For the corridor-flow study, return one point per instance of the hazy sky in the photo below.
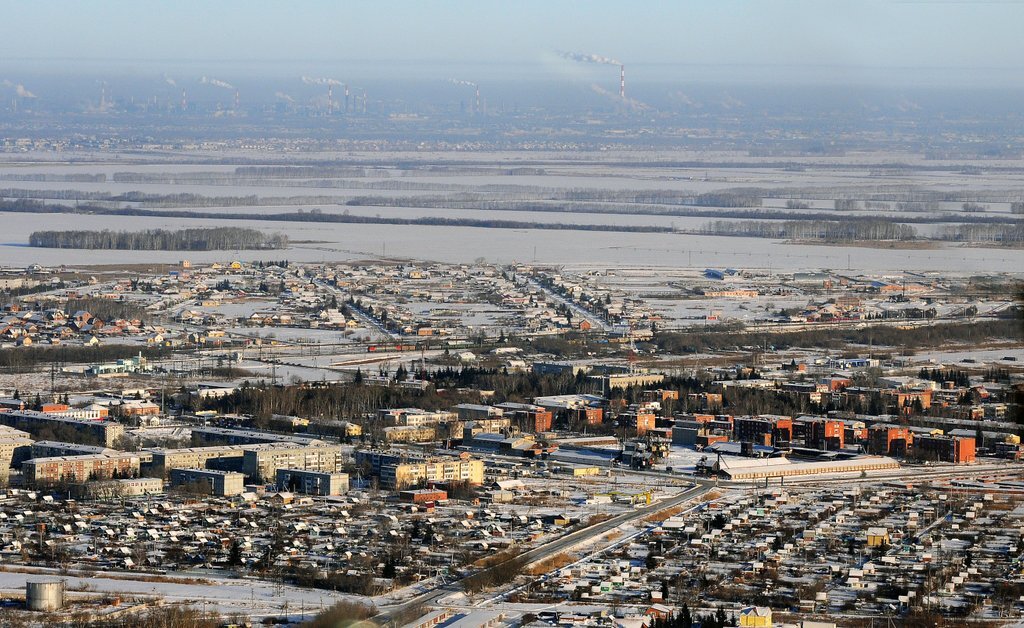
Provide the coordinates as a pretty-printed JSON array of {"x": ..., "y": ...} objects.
[{"x": 866, "y": 37}]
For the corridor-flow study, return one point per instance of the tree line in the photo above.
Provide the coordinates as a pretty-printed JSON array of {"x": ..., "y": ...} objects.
[
  {"x": 702, "y": 340},
  {"x": 213, "y": 239},
  {"x": 828, "y": 231},
  {"x": 720, "y": 205},
  {"x": 1001, "y": 234},
  {"x": 27, "y": 359}
]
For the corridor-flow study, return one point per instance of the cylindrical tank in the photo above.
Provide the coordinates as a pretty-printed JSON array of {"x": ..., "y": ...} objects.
[{"x": 44, "y": 595}]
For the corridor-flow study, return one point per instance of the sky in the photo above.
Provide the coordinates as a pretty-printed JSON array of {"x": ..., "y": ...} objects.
[{"x": 861, "y": 39}]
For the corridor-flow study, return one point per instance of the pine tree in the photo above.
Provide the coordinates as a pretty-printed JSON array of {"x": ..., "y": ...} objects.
[{"x": 235, "y": 554}]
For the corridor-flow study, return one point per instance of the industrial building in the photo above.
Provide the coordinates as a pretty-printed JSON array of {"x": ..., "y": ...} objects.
[{"x": 767, "y": 468}]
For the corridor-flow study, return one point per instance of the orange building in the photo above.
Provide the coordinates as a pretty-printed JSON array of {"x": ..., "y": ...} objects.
[
  {"x": 766, "y": 429},
  {"x": 905, "y": 399},
  {"x": 890, "y": 440},
  {"x": 591, "y": 416},
  {"x": 661, "y": 394},
  {"x": 639, "y": 420},
  {"x": 957, "y": 449},
  {"x": 827, "y": 434},
  {"x": 527, "y": 417}
]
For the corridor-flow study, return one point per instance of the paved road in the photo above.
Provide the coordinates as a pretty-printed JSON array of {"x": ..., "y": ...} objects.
[
  {"x": 578, "y": 311},
  {"x": 554, "y": 547}
]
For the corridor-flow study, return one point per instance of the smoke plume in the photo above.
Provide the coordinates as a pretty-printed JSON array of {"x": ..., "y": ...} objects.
[
  {"x": 216, "y": 83},
  {"x": 309, "y": 80},
  {"x": 589, "y": 58}
]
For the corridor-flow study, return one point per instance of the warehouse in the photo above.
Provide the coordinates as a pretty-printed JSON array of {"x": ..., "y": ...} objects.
[{"x": 762, "y": 468}]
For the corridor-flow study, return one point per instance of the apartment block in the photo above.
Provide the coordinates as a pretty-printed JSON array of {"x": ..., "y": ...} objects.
[
  {"x": 220, "y": 483},
  {"x": 312, "y": 482},
  {"x": 410, "y": 474},
  {"x": 104, "y": 433},
  {"x": 261, "y": 462},
  {"x": 80, "y": 468}
]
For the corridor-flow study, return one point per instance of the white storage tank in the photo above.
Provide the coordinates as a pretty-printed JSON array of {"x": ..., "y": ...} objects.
[{"x": 44, "y": 595}]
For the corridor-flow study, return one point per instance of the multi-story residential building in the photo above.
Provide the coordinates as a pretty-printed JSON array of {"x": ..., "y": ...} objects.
[
  {"x": 312, "y": 482},
  {"x": 80, "y": 468},
  {"x": 220, "y": 483},
  {"x": 225, "y": 458},
  {"x": 766, "y": 429},
  {"x": 15, "y": 446},
  {"x": 414, "y": 417},
  {"x": 527, "y": 416},
  {"x": 105, "y": 433},
  {"x": 958, "y": 449},
  {"x": 203, "y": 436},
  {"x": 261, "y": 462},
  {"x": 892, "y": 440},
  {"x": 827, "y": 434},
  {"x": 401, "y": 475}
]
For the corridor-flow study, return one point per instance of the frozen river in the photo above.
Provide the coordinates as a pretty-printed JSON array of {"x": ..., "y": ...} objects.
[{"x": 339, "y": 242}]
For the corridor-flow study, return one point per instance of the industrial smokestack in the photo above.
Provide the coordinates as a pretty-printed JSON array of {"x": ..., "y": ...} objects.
[
  {"x": 346, "y": 97},
  {"x": 622, "y": 82},
  {"x": 330, "y": 99},
  {"x": 478, "y": 100}
]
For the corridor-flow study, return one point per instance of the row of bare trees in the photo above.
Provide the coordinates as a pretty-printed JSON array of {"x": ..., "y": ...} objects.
[{"x": 214, "y": 239}]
